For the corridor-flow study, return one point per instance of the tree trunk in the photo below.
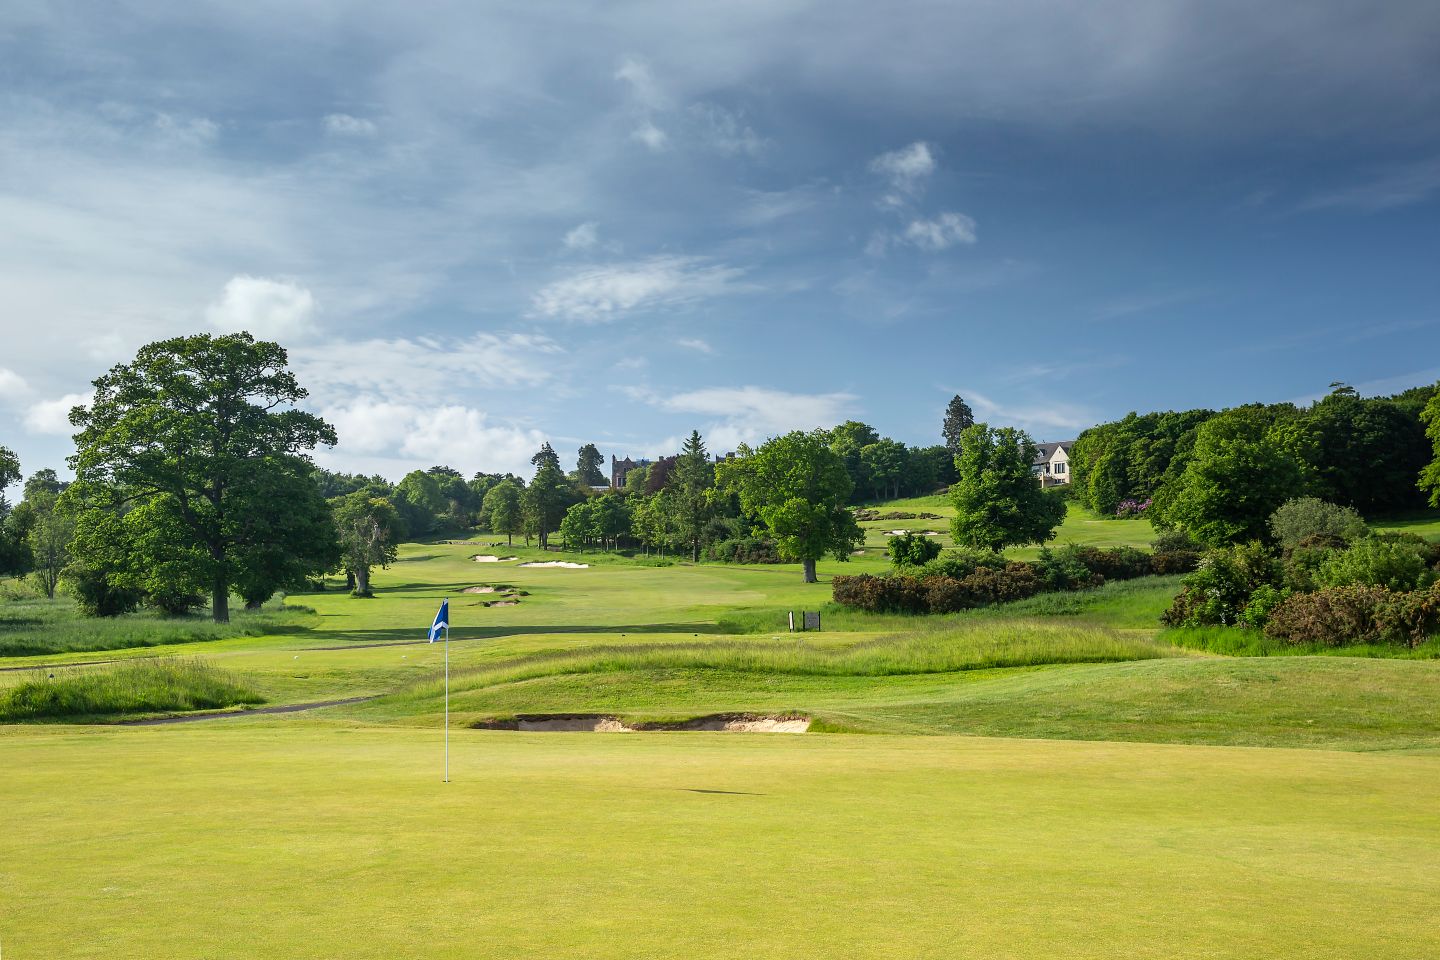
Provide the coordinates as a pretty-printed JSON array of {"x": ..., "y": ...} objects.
[
  {"x": 810, "y": 571},
  {"x": 220, "y": 599},
  {"x": 254, "y": 604},
  {"x": 695, "y": 550},
  {"x": 510, "y": 539},
  {"x": 350, "y": 580},
  {"x": 362, "y": 581}
]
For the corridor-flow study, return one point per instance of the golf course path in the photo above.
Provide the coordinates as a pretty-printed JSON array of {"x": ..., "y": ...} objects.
[{"x": 285, "y": 708}]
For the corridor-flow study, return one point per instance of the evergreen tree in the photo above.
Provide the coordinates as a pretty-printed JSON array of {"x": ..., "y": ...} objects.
[
  {"x": 958, "y": 418},
  {"x": 693, "y": 478},
  {"x": 587, "y": 466}
]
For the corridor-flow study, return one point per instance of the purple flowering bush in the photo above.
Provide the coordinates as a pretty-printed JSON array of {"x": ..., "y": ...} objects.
[{"x": 1132, "y": 508}]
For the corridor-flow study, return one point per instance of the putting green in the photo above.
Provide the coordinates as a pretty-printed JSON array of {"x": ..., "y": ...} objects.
[{"x": 298, "y": 838}]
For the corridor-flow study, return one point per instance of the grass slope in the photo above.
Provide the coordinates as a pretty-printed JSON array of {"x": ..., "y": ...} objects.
[
  {"x": 292, "y": 840},
  {"x": 153, "y": 685}
]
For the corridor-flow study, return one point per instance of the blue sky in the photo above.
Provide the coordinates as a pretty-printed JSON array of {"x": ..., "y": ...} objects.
[{"x": 481, "y": 225}]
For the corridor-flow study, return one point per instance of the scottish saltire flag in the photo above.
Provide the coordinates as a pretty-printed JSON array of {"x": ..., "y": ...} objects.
[{"x": 442, "y": 621}]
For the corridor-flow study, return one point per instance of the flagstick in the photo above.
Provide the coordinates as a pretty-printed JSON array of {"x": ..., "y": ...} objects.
[{"x": 447, "y": 698}]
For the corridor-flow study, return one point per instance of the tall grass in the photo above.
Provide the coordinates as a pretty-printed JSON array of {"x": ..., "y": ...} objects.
[
  {"x": 31, "y": 626},
  {"x": 944, "y": 649},
  {"x": 1248, "y": 642},
  {"x": 151, "y": 685}
]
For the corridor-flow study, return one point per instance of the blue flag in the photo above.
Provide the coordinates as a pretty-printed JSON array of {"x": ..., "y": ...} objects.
[{"x": 442, "y": 621}]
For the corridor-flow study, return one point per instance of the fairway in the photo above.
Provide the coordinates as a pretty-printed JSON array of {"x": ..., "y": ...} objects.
[
  {"x": 1046, "y": 778},
  {"x": 310, "y": 840}
]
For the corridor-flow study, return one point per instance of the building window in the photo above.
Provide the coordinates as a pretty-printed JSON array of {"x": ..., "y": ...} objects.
[{"x": 1059, "y": 468}]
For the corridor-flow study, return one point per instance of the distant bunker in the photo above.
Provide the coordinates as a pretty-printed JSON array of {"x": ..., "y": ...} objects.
[
  {"x": 600, "y": 723},
  {"x": 489, "y": 558}
]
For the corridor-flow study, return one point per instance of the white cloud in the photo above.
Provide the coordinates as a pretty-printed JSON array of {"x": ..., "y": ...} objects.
[
  {"x": 940, "y": 233},
  {"x": 405, "y": 436},
  {"x": 1044, "y": 421},
  {"x": 583, "y": 237},
  {"x": 269, "y": 309},
  {"x": 53, "y": 416},
  {"x": 751, "y": 414},
  {"x": 636, "y": 74},
  {"x": 12, "y": 385},
  {"x": 907, "y": 168},
  {"x": 414, "y": 369},
  {"x": 696, "y": 344},
  {"x": 652, "y": 136},
  {"x": 186, "y": 131},
  {"x": 602, "y": 294},
  {"x": 344, "y": 125}
]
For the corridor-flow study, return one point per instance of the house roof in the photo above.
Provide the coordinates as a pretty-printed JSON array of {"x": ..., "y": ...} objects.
[{"x": 1044, "y": 451}]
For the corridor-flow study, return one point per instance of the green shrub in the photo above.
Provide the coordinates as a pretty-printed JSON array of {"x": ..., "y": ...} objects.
[
  {"x": 1409, "y": 618},
  {"x": 1264, "y": 599},
  {"x": 1065, "y": 569},
  {"x": 1116, "y": 563},
  {"x": 1174, "y": 541},
  {"x": 1395, "y": 564},
  {"x": 1219, "y": 590},
  {"x": 912, "y": 550},
  {"x": 150, "y": 685},
  {"x": 962, "y": 561},
  {"x": 96, "y": 596},
  {"x": 744, "y": 550},
  {"x": 1333, "y": 617},
  {"x": 1294, "y": 520},
  {"x": 1176, "y": 561}
]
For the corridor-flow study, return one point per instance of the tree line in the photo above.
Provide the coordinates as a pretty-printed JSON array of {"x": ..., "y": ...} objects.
[{"x": 1220, "y": 475}]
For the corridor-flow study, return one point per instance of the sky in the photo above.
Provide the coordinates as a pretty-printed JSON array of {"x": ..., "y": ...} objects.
[{"x": 480, "y": 226}]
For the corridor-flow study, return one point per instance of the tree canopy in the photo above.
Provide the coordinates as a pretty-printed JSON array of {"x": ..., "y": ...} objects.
[
  {"x": 797, "y": 487},
  {"x": 998, "y": 501},
  {"x": 201, "y": 430}
]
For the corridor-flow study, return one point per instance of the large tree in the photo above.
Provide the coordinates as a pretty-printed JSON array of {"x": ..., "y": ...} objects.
[
  {"x": 421, "y": 504},
  {"x": 797, "y": 487},
  {"x": 1245, "y": 463},
  {"x": 49, "y": 536},
  {"x": 502, "y": 508},
  {"x": 14, "y": 555},
  {"x": 885, "y": 461},
  {"x": 205, "y": 423},
  {"x": 587, "y": 466},
  {"x": 1430, "y": 476},
  {"x": 998, "y": 500},
  {"x": 546, "y": 499},
  {"x": 369, "y": 529},
  {"x": 692, "y": 481},
  {"x": 958, "y": 418}
]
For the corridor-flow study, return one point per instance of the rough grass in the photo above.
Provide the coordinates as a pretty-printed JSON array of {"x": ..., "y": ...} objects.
[
  {"x": 151, "y": 685},
  {"x": 942, "y": 648},
  {"x": 1248, "y": 642},
  {"x": 34, "y": 626}
]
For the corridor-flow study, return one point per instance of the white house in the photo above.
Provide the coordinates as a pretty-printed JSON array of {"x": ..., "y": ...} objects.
[{"x": 1052, "y": 462}]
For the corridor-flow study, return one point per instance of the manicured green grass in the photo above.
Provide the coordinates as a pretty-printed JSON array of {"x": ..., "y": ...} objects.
[
  {"x": 1080, "y": 527},
  {"x": 286, "y": 839},
  {"x": 1425, "y": 524},
  {"x": 34, "y": 625},
  {"x": 152, "y": 685}
]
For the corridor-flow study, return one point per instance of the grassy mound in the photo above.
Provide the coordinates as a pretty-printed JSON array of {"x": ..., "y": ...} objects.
[
  {"x": 946, "y": 647},
  {"x": 36, "y": 626},
  {"x": 152, "y": 685}
]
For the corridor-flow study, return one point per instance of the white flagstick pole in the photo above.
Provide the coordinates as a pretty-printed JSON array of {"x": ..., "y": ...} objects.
[{"x": 447, "y": 695}]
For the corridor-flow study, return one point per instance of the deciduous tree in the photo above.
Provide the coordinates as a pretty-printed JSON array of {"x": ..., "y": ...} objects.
[
  {"x": 998, "y": 500},
  {"x": 204, "y": 423},
  {"x": 797, "y": 487}
]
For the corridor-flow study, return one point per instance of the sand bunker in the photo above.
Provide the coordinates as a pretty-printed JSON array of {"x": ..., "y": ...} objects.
[
  {"x": 918, "y": 533},
  {"x": 479, "y": 589},
  {"x": 594, "y": 723},
  {"x": 487, "y": 558},
  {"x": 556, "y": 563},
  {"x": 503, "y": 603}
]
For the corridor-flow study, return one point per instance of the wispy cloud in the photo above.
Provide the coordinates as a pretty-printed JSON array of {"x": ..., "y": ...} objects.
[
  {"x": 726, "y": 130},
  {"x": 53, "y": 416},
  {"x": 1138, "y": 303},
  {"x": 1044, "y": 420},
  {"x": 1396, "y": 187},
  {"x": 406, "y": 436},
  {"x": 696, "y": 344},
  {"x": 601, "y": 294},
  {"x": 929, "y": 235},
  {"x": 751, "y": 414},
  {"x": 344, "y": 125},
  {"x": 583, "y": 237}
]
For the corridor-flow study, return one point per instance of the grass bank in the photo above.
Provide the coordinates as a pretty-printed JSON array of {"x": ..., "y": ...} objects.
[
  {"x": 36, "y": 626},
  {"x": 152, "y": 685}
]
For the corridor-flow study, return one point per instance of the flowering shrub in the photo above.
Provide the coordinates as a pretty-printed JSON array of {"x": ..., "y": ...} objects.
[{"x": 1132, "y": 508}]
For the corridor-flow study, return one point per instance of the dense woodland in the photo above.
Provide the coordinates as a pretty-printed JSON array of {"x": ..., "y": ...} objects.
[{"x": 194, "y": 481}]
